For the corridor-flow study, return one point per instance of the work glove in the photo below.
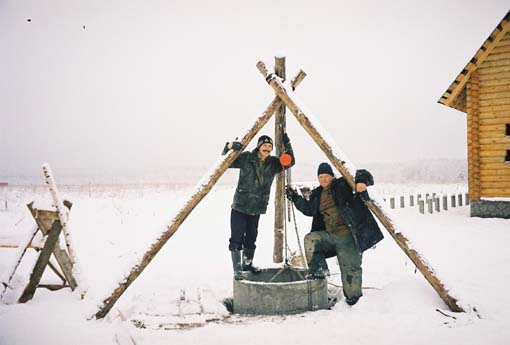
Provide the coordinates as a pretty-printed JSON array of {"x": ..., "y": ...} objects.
[
  {"x": 285, "y": 139},
  {"x": 364, "y": 196},
  {"x": 232, "y": 145},
  {"x": 291, "y": 193}
]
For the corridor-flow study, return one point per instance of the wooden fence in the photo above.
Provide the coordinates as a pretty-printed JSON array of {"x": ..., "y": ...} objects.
[{"x": 429, "y": 202}]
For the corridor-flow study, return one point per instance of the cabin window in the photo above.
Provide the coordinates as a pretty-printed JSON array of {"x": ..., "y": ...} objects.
[
  {"x": 507, "y": 129},
  {"x": 507, "y": 157}
]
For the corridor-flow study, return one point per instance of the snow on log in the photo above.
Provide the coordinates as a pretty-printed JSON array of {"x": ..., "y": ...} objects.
[
  {"x": 63, "y": 214},
  {"x": 347, "y": 169}
]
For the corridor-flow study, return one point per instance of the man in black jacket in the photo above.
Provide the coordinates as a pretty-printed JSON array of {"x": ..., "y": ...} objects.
[
  {"x": 342, "y": 225},
  {"x": 257, "y": 171}
]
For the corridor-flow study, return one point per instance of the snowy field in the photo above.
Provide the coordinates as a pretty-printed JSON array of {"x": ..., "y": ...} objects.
[{"x": 186, "y": 283}]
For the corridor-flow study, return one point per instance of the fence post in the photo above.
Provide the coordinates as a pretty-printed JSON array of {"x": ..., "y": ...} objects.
[
  {"x": 421, "y": 205},
  {"x": 466, "y": 198},
  {"x": 453, "y": 201},
  {"x": 411, "y": 200},
  {"x": 436, "y": 204},
  {"x": 445, "y": 203},
  {"x": 459, "y": 197},
  {"x": 429, "y": 205},
  {"x": 402, "y": 202},
  {"x": 392, "y": 202}
]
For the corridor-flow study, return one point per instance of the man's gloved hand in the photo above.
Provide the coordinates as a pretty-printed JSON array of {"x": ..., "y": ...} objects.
[
  {"x": 285, "y": 139},
  {"x": 364, "y": 196},
  {"x": 291, "y": 193},
  {"x": 232, "y": 145}
]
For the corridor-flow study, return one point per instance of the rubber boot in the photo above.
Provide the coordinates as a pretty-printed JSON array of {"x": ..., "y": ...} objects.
[
  {"x": 248, "y": 254},
  {"x": 236, "y": 264}
]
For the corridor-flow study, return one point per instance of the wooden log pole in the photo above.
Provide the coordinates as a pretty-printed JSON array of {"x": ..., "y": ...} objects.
[
  {"x": 279, "y": 198},
  {"x": 185, "y": 211},
  {"x": 402, "y": 202},
  {"x": 421, "y": 205},
  {"x": 392, "y": 202},
  {"x": 453, "y": 201},
  {"x": 445, "y": 203},
  {"x": 401, "y": 240}
]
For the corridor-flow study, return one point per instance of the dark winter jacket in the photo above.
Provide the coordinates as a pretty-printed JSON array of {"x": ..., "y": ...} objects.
[
  {"x": 351, "y": 207},
  {"x": 252, "y": 192}
]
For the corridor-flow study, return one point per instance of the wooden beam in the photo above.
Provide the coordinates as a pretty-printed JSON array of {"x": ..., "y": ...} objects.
[
  {"x": 401, "y": 240},
  {"x": 42, "y": 262},
  {"x": 279, "y": 198},
  {"x": 184, "y": 212}
]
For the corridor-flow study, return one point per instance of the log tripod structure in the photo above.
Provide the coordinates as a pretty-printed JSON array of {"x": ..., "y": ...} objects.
[
  {"x": 281, "y": 100},
  {"x": 48, "y": 223}
]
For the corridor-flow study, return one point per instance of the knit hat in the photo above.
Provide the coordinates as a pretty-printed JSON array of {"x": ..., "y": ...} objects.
[
  {"x": 264, "y": 139},
  {"x": 325, "y": 168}
]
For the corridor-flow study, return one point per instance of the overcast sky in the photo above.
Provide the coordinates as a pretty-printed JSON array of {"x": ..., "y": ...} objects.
[{"x": 144, "y": 87}]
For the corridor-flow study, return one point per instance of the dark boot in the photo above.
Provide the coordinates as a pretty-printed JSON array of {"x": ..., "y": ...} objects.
[
  {"x": 248, "y": 254},
  {"x": 237, "y": 265}
]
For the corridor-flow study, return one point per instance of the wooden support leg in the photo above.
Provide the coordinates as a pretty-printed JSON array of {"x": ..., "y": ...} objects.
[
  {"x": 401, "y": 240},
  {"x": 42, "y": 262},
  {"x": 185, "y": 211}
]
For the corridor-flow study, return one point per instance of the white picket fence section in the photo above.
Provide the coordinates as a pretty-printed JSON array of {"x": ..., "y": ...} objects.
[{"x": 428, "y": 202}]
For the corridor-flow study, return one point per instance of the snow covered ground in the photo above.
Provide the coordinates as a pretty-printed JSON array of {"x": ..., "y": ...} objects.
[{"x": 188, "y": 280}]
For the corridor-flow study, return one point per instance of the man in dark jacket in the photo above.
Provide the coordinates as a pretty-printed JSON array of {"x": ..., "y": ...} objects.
[
  {"x": 342, "y": 225},
  {"x": 257, "y": 171}
]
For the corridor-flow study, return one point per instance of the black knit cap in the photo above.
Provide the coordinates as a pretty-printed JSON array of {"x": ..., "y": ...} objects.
[
  {"x": 325, "y": 168},
  {"x": 264, "y": 139}
]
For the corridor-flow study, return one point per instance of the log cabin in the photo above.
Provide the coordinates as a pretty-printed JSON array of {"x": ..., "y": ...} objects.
[{"x": 482, "y": 91}]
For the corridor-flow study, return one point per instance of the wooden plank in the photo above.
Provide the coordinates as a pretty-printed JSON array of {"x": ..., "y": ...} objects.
[
  {"x": 496, "y": 185},
  {"x": 493, "y": 70},
  {"x": 495, "y": 102},
  {"x": 493, "y": 134},
  {"x": 494, "y": 148},
  {"x": 496, "y": 192},
  {"x": 494, "y": 63},
  {"x": 498, "y": 56},
  {"x": 489, "y": 160},
  {"x": 491, "y": 166},
  {"x": 494, "y": 173},
  {"x": 184, "y": 212},
  {"x": 493, "y": 82},
  {"x": 493, "y": 140},
  {"x": 401, "y": 240},
  {"x": 279, "y": 202},
  {"x": 497, "y": 128},
  {"x": 495, "y": 108},
  {"x": 42, "y": 262},
  {"x": 486, "y": 94},
  {"x": 493, "y": 153},
  {"x": 487, "y": 118},
  {"x": 502, "y": 49},
  {"x": 497, "y": 75},
  {"x": 501, "y": 178}
]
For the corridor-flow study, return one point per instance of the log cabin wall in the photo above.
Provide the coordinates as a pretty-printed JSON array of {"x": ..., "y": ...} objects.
[
  {"x": 473, "y": 138},
  {"x": 489, "y": 104}
]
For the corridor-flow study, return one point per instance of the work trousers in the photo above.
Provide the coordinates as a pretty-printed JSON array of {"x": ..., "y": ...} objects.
[
  {"x": 243, "y": 230},
  {"x": 317, "y": 246}
]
